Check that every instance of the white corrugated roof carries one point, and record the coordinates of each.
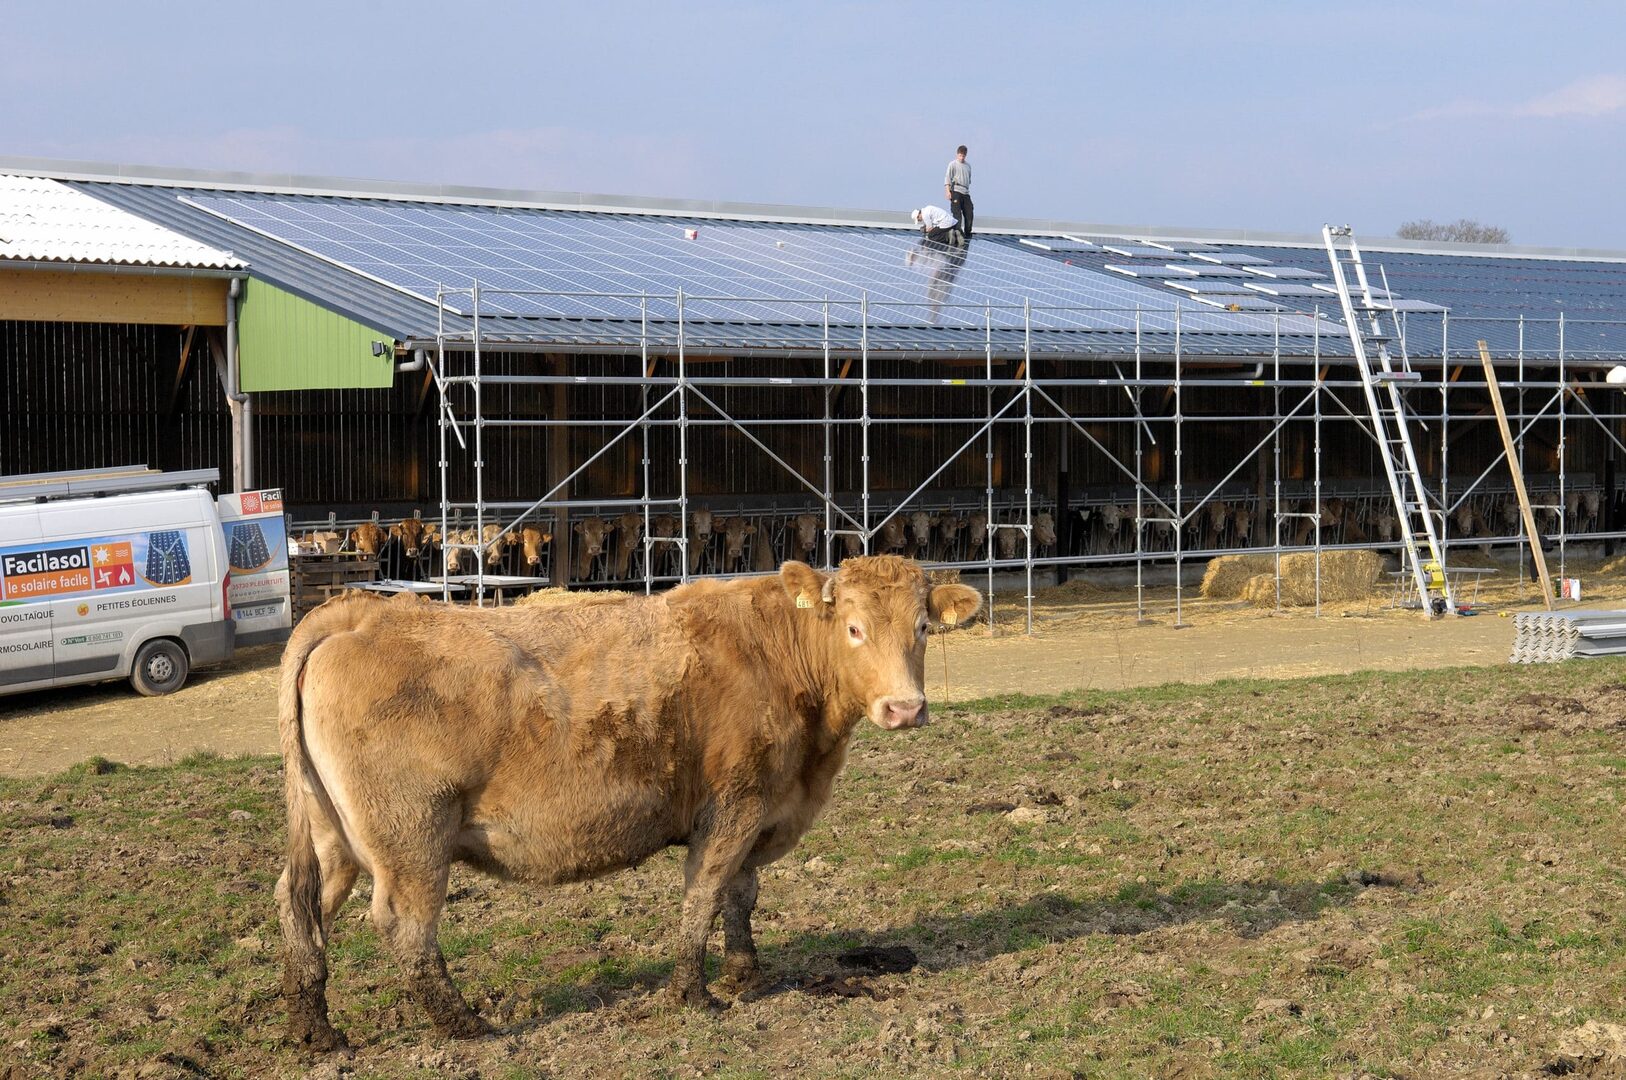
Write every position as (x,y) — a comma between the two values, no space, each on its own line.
(46,221)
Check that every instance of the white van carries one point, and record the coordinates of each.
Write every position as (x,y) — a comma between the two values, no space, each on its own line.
(129,574)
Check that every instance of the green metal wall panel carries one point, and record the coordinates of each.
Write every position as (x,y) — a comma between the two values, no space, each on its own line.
(288,343)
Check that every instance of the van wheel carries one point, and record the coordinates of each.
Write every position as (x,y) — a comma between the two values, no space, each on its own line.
(160,668)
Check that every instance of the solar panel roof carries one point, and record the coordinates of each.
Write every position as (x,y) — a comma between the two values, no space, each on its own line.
(543,264)
(1230,258)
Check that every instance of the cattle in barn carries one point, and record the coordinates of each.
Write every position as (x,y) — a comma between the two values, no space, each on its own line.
(891,540)
(1044,533)
(1241,526)
(410,532)
(629,537)
(950,525)
(1466,520)
(1117,527)
(1216,516)
(533,540)
(1591,507)
(764,547)
(459,558)
(559,745)
(976,533)
(1385,523)
(735,530)
(368,538)
(852,545)
(918,526)
(591,535)
(496,545)
(1509,517)
(701,529)
(804,536)
(1008,542)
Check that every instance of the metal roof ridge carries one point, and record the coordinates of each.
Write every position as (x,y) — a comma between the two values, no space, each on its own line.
(297,184)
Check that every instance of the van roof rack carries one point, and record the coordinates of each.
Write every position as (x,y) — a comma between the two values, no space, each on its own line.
(120,480)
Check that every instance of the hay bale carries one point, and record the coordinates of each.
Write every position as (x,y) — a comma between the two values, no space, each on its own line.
(1345,576)
(1228,575)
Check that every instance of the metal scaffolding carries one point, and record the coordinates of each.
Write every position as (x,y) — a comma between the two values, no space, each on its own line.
(1297,374)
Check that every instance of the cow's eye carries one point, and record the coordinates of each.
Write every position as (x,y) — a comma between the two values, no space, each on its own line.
(854,633)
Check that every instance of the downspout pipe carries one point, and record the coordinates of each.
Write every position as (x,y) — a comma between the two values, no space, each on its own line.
(419,357)
(243,473)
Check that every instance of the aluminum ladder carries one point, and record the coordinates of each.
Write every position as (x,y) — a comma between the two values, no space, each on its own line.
(1383,383)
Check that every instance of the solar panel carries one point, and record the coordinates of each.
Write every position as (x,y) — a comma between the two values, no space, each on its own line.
(1204,285)
(1329,287)
(1285,272)
(1230,258)
(1288,288)
(1207,270)
(1141,251)
(565,264)
(1051,243)
(1239,303)
(1190,245)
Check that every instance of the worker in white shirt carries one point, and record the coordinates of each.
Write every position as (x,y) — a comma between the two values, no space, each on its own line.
(938,225)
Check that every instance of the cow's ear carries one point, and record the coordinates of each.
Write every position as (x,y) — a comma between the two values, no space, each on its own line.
(805,586)
(576,528)
(750,530)
(952,605)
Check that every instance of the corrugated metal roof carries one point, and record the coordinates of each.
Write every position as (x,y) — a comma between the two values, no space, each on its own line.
(42,220)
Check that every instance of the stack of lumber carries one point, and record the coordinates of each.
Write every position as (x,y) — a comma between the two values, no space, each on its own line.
(315,578)
(1544,637)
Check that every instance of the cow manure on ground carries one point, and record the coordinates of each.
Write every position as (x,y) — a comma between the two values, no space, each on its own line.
(1064,712)
(843,986)
(880,959)
(993,807)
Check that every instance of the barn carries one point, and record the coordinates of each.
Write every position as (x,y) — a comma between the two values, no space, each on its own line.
(719,386)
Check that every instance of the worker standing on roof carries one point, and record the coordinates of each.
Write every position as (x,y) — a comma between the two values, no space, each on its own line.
(957,188)
(937,225)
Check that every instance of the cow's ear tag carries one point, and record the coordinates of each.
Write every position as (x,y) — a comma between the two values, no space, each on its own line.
(803,600)
(949,618)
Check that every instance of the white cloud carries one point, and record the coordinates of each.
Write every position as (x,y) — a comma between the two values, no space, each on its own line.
(1597,95)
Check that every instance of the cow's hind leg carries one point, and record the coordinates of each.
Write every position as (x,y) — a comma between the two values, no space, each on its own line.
(339,870)
(304,932)
(406,911)
(739,949)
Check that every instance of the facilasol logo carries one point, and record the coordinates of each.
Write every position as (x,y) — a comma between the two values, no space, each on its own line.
(21,563)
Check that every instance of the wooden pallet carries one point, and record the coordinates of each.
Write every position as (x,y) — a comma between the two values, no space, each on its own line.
(314,579)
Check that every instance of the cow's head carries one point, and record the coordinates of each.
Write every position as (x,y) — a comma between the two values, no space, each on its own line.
(873,614)
(532,539)
(920,527)
(631,527)
(367,538)
(806,530)
(1044,529)
(496,542)
(458,557)
(593,532)
(411,534)
(735,530)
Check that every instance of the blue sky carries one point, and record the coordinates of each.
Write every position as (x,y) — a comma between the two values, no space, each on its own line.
(1266,115)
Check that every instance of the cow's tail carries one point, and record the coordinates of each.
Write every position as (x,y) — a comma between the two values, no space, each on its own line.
(302,880)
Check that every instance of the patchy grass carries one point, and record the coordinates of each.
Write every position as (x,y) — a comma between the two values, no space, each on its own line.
(1368,875)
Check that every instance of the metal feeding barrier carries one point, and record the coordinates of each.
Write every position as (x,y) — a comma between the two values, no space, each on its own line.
(1546,637)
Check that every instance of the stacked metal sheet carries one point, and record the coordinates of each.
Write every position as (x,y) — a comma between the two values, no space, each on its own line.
(1544,637)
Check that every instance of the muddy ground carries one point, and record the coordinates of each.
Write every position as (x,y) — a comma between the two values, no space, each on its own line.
(1085,637)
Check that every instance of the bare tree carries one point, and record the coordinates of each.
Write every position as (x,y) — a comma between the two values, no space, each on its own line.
(1460,231)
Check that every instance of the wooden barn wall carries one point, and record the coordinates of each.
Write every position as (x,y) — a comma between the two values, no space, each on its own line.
(93,395)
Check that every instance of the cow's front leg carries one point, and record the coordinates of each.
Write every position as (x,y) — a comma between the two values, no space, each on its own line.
(739,949)
(712,864)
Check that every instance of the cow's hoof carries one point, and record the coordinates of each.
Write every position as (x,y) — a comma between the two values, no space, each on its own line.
(319,1038)
(470,1025)
(741,975)
(696,996)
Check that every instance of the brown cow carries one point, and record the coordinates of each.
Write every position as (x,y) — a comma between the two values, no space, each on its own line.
(459,559)
(552,745)
(764,559)
(734,529)
(411,534)
(664,556)
(629,537)
(805,536)
(919,527)
(949,527)
(496,544)
(593,532)
(701,528)
(852,545)
(1044,531)
(367,538)
(890,540)
(976,533)
(532,539)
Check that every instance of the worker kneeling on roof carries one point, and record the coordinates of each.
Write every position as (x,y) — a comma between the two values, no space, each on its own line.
(938,225)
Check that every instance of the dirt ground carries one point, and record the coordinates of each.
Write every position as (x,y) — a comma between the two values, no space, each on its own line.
(1085,637)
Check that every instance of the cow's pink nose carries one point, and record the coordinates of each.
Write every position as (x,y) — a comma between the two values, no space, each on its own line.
(905,713)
